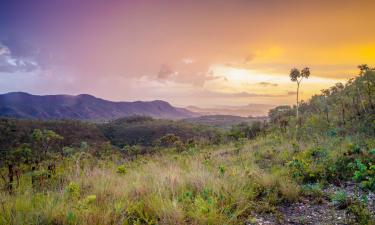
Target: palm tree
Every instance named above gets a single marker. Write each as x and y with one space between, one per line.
363 68
296 76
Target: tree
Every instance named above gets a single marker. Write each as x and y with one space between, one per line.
13 160
276 114
297 76
44 140
169 140
326 93
363 68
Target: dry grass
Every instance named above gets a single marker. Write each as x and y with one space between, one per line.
213 186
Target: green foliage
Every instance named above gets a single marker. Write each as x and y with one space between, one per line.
238 145
341 109
221 170
169 140
90 199
121 169
278 113
245 130
87 202
132 149
310 166
137 214
313 191
361 214
68 151
147 131
73 190
22 154
71 218
189 179
340 199
365 174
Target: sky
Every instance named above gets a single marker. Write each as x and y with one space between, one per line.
201 53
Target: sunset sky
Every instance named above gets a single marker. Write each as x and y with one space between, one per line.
202 53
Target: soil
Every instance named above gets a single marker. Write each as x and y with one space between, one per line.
321 212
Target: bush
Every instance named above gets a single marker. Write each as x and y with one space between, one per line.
361 213
73 190
121 169
313 191
365 174
221 170
340 199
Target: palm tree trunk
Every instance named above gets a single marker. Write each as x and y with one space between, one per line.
297 101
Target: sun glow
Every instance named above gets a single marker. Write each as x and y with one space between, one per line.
233 80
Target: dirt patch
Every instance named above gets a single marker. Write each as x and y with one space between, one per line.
322 212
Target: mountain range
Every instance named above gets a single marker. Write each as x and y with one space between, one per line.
83 107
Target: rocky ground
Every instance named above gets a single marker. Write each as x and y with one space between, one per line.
318 212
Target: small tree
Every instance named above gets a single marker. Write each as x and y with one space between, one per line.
14 160
169 140
44 140
297 76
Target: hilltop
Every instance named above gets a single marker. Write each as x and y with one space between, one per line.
83 107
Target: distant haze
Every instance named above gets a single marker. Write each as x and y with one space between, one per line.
245 111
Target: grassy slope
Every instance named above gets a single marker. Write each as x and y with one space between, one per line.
227 184
215 185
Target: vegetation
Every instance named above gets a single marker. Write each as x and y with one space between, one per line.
144 171
297 76
147 131
225 122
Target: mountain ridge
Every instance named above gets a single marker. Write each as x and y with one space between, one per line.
83 107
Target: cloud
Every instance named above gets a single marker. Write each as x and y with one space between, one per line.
268 84
4 50
240 94
188 60
165 72
249 58
19 61
185 74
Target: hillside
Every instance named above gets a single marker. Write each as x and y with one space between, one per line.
82 107
317 169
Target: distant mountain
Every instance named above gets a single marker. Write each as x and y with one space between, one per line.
223 121
243 111
83 107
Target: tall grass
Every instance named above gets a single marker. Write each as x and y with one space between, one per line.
212 185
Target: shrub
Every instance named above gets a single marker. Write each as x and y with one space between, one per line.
169 140
73 190
365 174
121 169
71 218
132 149
138 213
68 151
312 190
340 199
361 213
221 170
289 191
238 145
90 199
